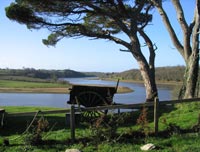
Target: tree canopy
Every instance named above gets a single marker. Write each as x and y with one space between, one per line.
76 18
97 19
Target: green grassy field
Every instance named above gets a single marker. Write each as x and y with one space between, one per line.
176 132
24 84
33 86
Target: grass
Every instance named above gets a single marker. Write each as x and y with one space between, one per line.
183 116
34 86
22 78
15 109
23 84
124 90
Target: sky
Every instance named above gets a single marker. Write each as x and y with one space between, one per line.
23 48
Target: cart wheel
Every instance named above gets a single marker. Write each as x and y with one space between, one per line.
91 99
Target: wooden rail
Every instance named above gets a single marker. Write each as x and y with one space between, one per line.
43 112
137 105
109 107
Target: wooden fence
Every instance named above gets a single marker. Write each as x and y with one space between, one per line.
154 104
33 113
74 110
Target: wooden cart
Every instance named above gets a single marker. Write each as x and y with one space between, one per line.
92 95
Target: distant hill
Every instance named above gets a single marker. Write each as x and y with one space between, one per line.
42 74
96 74
169 73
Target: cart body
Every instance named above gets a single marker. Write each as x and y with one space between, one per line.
92 95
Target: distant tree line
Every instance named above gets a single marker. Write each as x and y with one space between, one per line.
42 74
173 73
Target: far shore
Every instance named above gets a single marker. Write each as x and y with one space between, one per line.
52 90
170 83
65 90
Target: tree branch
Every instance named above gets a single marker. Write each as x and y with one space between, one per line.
180 15
195 35
151 48
89 33
116 17
184 26
168 26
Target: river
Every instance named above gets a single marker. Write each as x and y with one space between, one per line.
60 100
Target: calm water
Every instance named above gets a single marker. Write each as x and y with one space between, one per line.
59 100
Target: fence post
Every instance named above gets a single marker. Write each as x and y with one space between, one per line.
156 108
72 123
2 112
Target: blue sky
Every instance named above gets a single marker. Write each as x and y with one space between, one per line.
22 48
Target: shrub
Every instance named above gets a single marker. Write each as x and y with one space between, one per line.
142 121
35 136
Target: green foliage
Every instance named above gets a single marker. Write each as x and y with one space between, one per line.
97 19
34 136
105 128
41 74
95 24
22 14
170 73
163 74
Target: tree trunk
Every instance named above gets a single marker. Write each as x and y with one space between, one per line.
149 82
148 74
189 48
190 77
147 70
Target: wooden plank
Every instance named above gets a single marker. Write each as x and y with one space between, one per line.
179 101
91 86
56 111
137 105
110 107
21 114
120 106
33 113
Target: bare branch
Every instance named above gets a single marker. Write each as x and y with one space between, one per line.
122 50
195 35
150 46
169 27
180 15
184 26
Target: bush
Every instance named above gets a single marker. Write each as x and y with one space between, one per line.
35 136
